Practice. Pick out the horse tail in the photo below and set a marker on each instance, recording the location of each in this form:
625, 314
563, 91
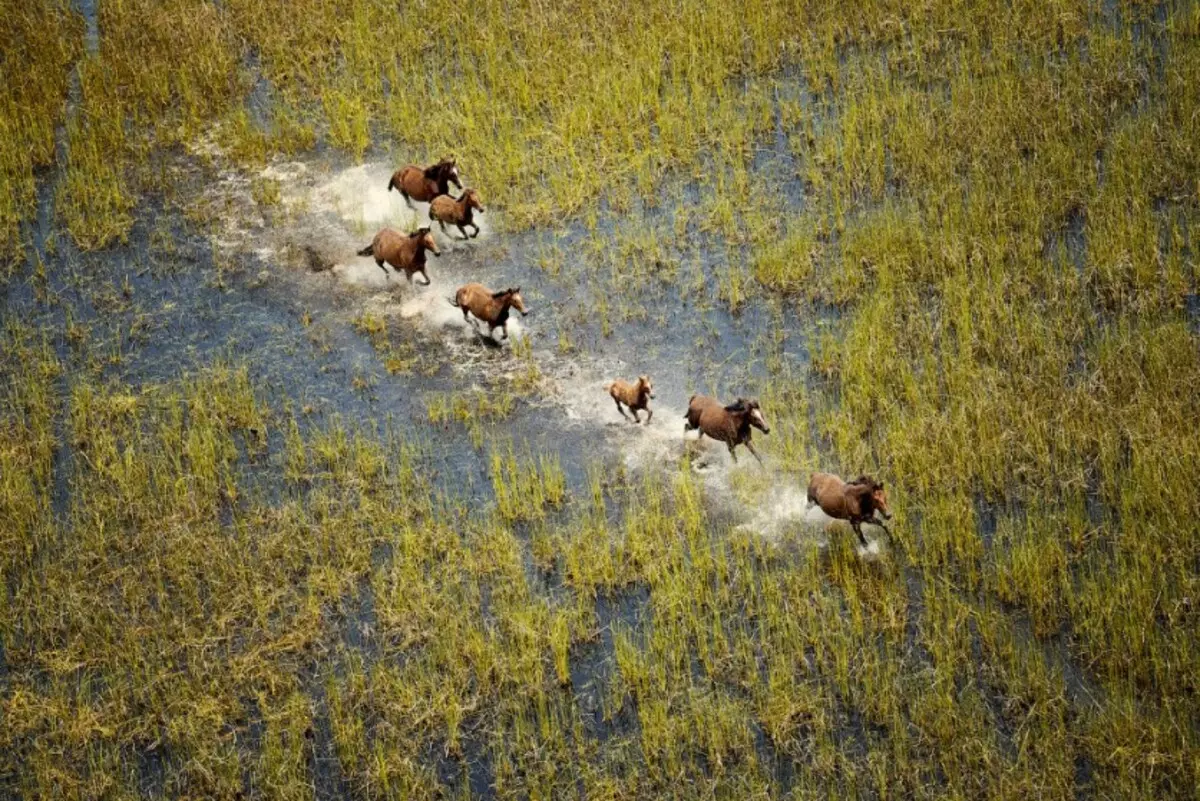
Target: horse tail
391, 183
369, 250
454, 302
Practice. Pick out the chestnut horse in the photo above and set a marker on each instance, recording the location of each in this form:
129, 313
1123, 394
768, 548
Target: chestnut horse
403, 252
855, 501
425, 183
491, 307
636, 396
729, 424
445, 209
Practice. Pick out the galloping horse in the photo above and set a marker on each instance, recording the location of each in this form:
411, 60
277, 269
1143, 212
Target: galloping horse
729, 424
445, 209
855, 501
491, 307
425, 183
403, 252
636, 396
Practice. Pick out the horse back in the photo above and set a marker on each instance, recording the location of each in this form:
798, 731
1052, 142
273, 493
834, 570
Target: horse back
385, 244
413, 181
825, 488
477, 299
443, 208
719, 423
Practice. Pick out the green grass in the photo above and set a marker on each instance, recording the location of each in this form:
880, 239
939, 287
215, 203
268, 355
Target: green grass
1000, 202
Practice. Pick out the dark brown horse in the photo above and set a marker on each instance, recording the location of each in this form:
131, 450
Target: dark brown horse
636, 396
856, 501
425, 183
729, 424
491, 307
403, 251
445, 209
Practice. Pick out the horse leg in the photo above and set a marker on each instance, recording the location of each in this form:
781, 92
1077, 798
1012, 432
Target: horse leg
732, 452
425, 275
443, 226
379, 264
407, 199
857, 526
750, 448
476, 227
636, 419
649, 414
619, 409
463, 231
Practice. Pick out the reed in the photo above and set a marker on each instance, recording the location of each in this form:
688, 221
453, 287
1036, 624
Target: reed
990, 262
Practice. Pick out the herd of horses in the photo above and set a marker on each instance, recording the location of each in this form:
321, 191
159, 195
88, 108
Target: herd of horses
857, 502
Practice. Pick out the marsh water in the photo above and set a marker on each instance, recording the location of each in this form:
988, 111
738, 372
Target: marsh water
278, 287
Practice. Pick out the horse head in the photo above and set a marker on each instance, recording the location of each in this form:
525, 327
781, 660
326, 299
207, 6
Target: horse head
472, 199
517, 302
879, 500
752, 411
424, 237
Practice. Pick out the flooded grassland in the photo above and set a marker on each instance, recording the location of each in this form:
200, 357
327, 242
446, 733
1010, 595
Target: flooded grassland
275, 523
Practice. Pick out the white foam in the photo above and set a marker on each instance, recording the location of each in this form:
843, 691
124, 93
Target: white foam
334, 214
360, 198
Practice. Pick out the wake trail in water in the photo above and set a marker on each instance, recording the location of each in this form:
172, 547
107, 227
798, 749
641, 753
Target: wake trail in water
329, 215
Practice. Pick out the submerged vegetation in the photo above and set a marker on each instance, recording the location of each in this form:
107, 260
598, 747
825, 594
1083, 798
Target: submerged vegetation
980, 221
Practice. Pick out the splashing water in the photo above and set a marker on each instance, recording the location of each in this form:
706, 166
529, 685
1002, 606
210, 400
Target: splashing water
333, 214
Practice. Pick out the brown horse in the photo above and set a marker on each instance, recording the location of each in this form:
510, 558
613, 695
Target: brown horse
729, 424
636, 396
445, 209
403, 252
856, 501
491, 307
425, 183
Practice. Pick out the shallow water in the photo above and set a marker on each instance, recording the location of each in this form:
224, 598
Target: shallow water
302, 253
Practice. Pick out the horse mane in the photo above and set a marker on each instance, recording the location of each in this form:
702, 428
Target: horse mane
434, 171
742, 405
419, 232
501, 293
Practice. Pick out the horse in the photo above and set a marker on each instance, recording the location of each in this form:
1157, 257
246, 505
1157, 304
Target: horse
729, 424
491, 307
425, 183
856, 501
445, 209
636, 396
403, 252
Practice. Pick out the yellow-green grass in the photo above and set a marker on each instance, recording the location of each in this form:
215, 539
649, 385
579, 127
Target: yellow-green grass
1004, 214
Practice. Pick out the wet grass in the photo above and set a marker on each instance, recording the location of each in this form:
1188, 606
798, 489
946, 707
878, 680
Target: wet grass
980, 222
